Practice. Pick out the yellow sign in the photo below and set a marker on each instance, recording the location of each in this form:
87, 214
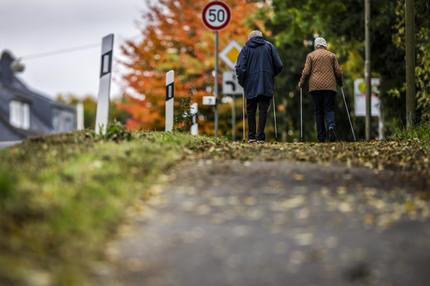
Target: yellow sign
233, 54
230, 54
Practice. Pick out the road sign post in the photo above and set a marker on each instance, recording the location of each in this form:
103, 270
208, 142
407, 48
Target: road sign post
233, 119
231, 87
170, 98
102, 116
216, 85
216, 16
360, 101
230, 84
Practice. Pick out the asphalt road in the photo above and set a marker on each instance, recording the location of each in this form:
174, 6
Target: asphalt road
275, 223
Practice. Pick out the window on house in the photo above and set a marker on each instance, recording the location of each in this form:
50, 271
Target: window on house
19, 114
63, 121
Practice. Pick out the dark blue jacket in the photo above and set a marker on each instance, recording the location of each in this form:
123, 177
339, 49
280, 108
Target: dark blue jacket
257, 66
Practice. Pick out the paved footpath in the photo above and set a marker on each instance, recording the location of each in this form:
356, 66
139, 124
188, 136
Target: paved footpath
275, 223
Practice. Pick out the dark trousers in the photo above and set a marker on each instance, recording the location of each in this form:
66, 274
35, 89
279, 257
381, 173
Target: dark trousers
263, 104
324, 104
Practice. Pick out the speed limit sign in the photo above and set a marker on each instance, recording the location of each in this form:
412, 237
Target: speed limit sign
216, 15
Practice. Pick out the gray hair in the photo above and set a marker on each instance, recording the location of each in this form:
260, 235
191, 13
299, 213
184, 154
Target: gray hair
320, 42
254, 34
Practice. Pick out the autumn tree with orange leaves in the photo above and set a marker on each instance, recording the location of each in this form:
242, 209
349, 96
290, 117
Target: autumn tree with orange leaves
174, 37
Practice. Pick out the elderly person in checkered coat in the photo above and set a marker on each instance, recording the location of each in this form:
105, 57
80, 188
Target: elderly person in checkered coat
323, 72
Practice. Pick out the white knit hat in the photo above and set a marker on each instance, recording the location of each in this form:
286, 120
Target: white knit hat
320, 42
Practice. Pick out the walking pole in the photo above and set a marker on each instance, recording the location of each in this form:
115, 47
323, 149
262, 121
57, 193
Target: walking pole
274, 119
301, 114
243, 117
347, 112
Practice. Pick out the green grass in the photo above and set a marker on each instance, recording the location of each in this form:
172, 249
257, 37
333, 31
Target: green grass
62, 196
421, 133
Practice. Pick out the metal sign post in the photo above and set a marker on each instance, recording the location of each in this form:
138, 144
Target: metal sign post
230, 83
102, 116
170, 98
233, 119
360, 100
216, 85
231, 87
216, 16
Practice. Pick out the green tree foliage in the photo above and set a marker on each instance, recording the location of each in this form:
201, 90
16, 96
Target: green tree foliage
295, 24
422, 70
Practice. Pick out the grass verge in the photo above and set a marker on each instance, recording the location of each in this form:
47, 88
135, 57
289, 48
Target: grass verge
421, 133
61, 197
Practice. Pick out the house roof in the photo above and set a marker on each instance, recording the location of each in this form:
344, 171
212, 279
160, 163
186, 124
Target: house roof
12, 87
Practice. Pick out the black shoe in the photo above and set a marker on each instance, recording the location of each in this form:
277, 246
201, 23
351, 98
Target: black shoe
331, 135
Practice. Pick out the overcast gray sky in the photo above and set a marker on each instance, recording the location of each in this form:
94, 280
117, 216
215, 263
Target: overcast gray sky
29, 27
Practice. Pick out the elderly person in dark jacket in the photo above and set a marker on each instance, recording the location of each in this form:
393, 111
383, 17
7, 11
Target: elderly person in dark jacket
256, 68
323, 72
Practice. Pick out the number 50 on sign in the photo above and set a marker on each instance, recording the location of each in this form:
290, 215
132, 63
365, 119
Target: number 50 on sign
216, 15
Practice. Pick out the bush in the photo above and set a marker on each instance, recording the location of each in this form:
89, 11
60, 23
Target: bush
421, 132
118, 132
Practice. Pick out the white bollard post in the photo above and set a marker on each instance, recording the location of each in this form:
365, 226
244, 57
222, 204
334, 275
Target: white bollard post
102, 116
170, 97
194, 109
381, 126
80, 116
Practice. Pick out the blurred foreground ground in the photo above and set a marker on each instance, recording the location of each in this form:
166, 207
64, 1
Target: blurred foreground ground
275, 223
227, 213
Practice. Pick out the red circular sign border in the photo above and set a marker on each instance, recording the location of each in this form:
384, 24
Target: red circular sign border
225, 6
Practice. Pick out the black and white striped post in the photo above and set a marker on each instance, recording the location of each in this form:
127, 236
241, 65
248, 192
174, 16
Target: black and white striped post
170, 97
102, 116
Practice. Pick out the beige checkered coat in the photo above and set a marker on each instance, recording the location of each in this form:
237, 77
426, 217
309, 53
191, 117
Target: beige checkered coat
323, 71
